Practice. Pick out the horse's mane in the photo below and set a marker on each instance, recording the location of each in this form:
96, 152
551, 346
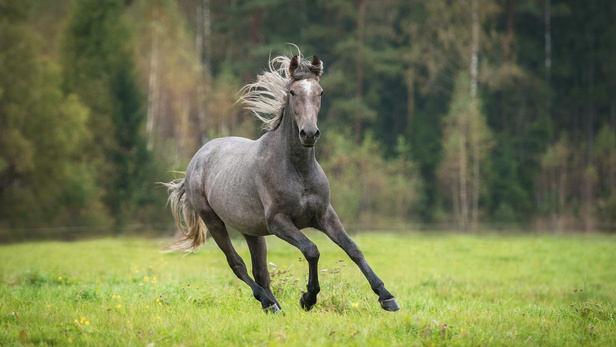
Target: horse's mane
266, 97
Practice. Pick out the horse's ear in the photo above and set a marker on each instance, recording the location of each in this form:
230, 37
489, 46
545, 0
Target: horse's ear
317, 66
294, 64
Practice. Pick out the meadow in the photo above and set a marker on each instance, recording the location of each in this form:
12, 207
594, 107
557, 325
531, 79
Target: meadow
453, 290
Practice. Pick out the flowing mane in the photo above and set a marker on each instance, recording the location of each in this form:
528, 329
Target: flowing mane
267, 96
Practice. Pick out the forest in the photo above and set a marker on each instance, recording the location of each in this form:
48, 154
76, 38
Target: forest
447, 114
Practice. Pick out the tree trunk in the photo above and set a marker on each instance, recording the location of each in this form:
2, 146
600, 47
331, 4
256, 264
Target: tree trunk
474, 145
562, 186
455, 194
590, 118
548, 52
509, 30
462, 177
588, 198
359, 67
204, 49
474, 48
255, 26
612, 170
475, 213
152, 82
206, 55
410, 97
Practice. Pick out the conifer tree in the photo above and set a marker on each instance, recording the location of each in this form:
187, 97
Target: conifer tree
98, 62
44, 176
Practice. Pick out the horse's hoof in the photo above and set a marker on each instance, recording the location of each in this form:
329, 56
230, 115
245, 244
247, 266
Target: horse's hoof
304, 305
390, 305
272, 309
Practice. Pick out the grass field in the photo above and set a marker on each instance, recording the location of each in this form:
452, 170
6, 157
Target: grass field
452, 289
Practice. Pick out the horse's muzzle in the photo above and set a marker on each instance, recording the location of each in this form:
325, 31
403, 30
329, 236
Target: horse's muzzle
309, 136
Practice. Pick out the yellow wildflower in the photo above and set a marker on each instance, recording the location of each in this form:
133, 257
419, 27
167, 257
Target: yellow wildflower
119, 306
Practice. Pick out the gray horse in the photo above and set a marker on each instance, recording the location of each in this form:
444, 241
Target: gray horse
271, 186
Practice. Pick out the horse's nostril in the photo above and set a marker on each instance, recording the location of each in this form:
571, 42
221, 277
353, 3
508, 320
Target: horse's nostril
317, 134
302, 134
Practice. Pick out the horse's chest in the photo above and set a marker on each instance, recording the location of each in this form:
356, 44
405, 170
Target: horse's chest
310, 201
303, 205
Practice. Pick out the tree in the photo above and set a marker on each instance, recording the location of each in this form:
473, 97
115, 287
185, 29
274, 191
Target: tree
98, 66
466, 142
553, 182
44, 175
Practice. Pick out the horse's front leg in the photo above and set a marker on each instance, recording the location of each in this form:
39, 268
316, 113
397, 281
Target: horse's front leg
330, 225
282, 226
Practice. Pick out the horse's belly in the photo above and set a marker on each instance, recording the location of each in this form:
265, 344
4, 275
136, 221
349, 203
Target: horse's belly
237, 204
245, 220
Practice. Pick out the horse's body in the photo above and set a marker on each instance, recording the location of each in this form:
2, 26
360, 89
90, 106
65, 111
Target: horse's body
271, 186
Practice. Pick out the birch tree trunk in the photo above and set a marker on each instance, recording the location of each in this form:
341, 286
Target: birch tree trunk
463, 186
474, 48
152, 82
206, 50
474, 111
203, 42
410, 99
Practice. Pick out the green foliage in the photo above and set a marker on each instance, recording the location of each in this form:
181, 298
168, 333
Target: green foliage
43, 133
98, 61
458, 290
466, 143
391, 70
364, 187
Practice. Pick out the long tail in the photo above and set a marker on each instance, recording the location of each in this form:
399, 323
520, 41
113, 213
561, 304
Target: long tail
186, 218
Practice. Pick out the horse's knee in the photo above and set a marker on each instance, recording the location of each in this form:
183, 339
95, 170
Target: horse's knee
312, 253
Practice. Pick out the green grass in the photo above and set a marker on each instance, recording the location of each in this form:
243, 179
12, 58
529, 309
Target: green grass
453, 290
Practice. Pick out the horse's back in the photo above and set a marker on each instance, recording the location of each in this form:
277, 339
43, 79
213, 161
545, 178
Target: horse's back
223, 173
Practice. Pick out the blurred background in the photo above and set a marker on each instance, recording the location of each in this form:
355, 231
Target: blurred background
463, 115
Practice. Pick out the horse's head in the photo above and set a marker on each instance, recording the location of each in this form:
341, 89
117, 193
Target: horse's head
304, 98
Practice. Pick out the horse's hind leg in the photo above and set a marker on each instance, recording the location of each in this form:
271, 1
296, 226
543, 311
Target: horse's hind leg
258, 253
218, 230
330, 224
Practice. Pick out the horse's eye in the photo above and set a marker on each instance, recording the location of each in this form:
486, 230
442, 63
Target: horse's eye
292, 92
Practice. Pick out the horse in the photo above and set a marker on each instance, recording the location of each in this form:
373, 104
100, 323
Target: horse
269, 186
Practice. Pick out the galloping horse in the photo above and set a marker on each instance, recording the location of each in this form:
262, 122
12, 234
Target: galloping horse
271, 186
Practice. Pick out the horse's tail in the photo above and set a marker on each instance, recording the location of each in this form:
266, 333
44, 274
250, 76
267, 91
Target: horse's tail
187, 219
